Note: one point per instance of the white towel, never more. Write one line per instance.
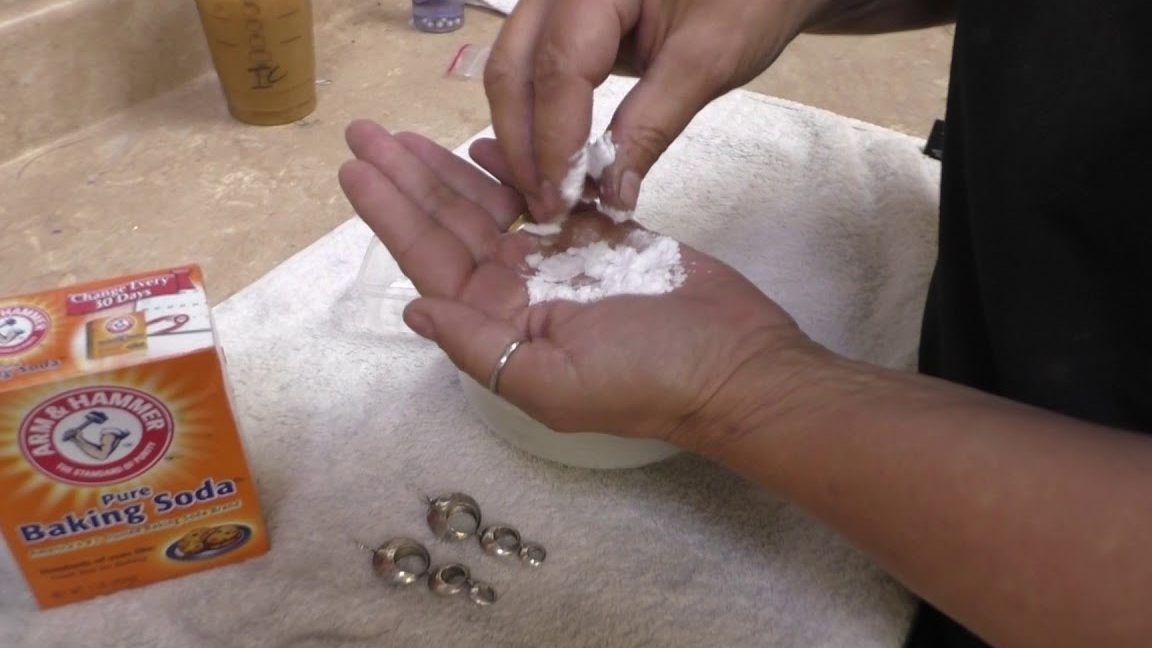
(502, 6)
(348, 427)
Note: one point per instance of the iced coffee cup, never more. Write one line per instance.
(264, 54)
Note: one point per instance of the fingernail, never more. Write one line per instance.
(535, 207)
(549, 202)
(629, 189)
(543, 197)
(422, 325)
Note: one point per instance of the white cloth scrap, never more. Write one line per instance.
(347, 427)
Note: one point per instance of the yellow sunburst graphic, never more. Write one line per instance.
(190, 399)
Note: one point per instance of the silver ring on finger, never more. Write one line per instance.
(494, 377)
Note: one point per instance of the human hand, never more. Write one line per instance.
(650, 366)
(551, 55)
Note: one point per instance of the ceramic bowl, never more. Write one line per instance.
(580, 449)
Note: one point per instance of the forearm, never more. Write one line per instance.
(878, 16)
(1029, 528)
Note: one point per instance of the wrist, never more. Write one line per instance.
(776, 394)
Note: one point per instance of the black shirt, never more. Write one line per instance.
(1043, 288)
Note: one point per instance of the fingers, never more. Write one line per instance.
(577, 50)
(474, 342)
(502, 203)
(423, 188)
(539, 80)
(435, 259)
(508, 85)
(676, 86)
(487, 153)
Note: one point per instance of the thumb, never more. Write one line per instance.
(659, 107)
(474, 342)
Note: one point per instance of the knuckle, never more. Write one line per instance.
(436, 200)
(552, 62)
(711, 71)
(389, 155)
(500, 71)
(710, 64)
(649, 141)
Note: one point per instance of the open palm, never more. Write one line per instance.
(627, 365)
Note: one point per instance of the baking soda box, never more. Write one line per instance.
(120, 460)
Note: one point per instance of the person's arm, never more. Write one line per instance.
(879, 16)
(1029, 528)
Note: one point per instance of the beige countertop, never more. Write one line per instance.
(175, 180)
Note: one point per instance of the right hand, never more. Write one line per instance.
(552, 54)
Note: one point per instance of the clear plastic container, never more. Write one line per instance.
(384, 291)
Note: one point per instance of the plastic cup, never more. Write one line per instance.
(264, 53)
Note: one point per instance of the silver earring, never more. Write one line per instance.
(532, 554)
(386, 561)
(444, 516)
(449, 580)
(481, 594)
(500, 540)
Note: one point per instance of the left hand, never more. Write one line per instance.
(650, 366)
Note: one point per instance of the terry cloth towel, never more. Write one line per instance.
(348, 427)
(502, 6)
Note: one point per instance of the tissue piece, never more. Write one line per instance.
(590, 162)
(601, 155)
(572, 187)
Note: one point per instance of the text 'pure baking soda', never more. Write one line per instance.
(120, 460)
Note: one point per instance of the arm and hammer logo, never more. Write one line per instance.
(96, 436)
(118, 325)
(21, 328)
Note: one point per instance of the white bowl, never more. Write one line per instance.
(579, 449)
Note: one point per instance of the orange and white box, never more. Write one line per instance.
(120, 460)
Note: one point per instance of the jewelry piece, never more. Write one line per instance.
(500, 540)
(443, 509)
(532, 554)
(449, 580)
(494, 377)
(386, 561)
(481, 594)
(519, 223)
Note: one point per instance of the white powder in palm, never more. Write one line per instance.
(645, 264)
